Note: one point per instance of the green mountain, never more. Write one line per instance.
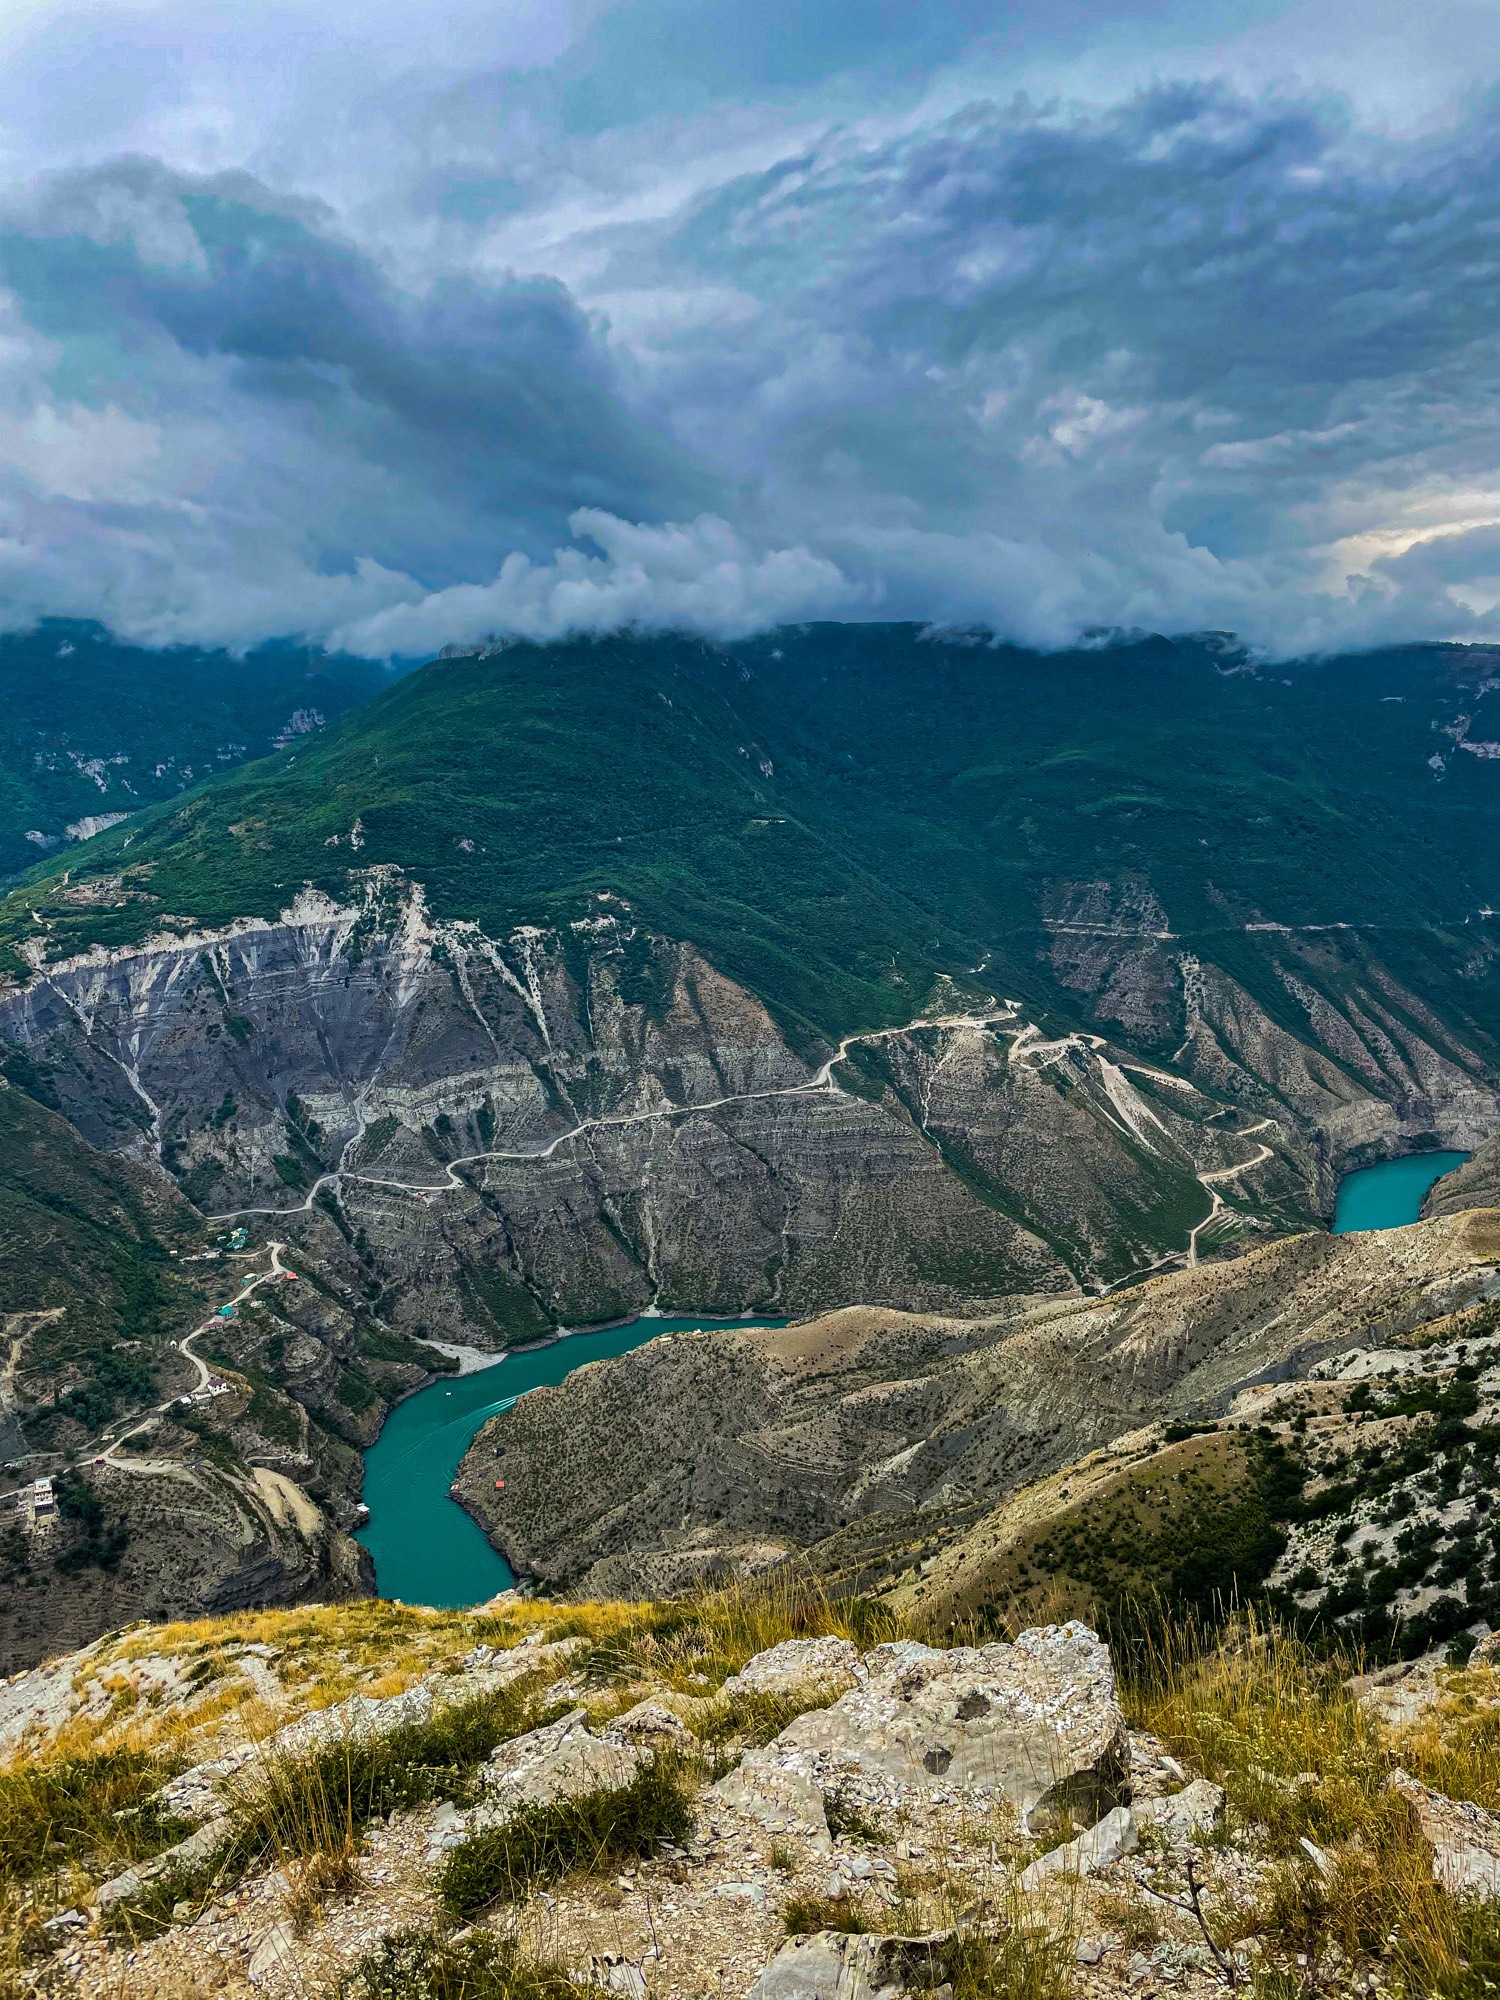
(91, 728)
(834, 814)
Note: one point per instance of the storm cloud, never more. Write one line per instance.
(656, 314)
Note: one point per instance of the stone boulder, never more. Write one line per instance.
(563, 1760)
(1037, 1722)
(830, 1965)
(1183, 1818)
(780, 1800)
(798, 1663)
(650, 1725)
(1100, 1847)
(1464, 1838)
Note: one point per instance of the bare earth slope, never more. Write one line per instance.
(727, 1448)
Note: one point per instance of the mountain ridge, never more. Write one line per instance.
(843, 967)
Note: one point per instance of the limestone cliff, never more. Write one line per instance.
(500, 1135)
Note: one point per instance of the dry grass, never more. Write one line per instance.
(319, 1880)
(693, 1645)
(1280, 1728)
(1250, 1706)
(1455, 1746)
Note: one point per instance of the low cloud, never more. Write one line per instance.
(697, 577)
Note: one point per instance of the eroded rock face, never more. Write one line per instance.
(889, 1443)
(798, 1663)
(1036, 1723)
(829, 1965)
(621, 1119)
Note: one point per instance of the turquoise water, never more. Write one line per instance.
(426, 1549)
(1384, 1197)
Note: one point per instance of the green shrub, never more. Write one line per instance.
(542, 1842)
(853, 1822)
(322, 1802)
(426, 1965)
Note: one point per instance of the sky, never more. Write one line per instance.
(387, 327)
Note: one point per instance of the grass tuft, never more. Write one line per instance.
(541, 1843)
(804, 1915)
(322, 1802)
(1282, 1729)
(97, 1810)
(694, 1644)
(1023, 1962)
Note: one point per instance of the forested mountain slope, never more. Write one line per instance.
(92, 729)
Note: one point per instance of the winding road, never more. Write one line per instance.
(185, 1348)
(1029, 1049)
(821, 1082)
(1208, 1179)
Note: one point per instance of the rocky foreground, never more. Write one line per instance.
(371, 1802)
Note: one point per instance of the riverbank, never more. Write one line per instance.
(425, 1547)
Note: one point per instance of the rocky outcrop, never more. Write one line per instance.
(1464, 1838)
(1036, 1723)
(1476, 1184)
(850, 1870)
(562, 1760)
(832, 1965)
(699, 1453)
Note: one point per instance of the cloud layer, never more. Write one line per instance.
(664, 313)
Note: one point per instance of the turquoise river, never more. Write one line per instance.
(1384, 1197)
(425, 1548)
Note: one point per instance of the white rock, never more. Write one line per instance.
(448, 1827)
(619, 1975)
(829, 1965)
(650, 1725)
(1100, 1847)
(195, 1850)
(1198, 1809)
(1037, 1722)
(276, 1953)
(797, 1663)
(1464, 1838)
(119, 1890)
(563, 1760)
(766, 1792)
(199, 1794)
